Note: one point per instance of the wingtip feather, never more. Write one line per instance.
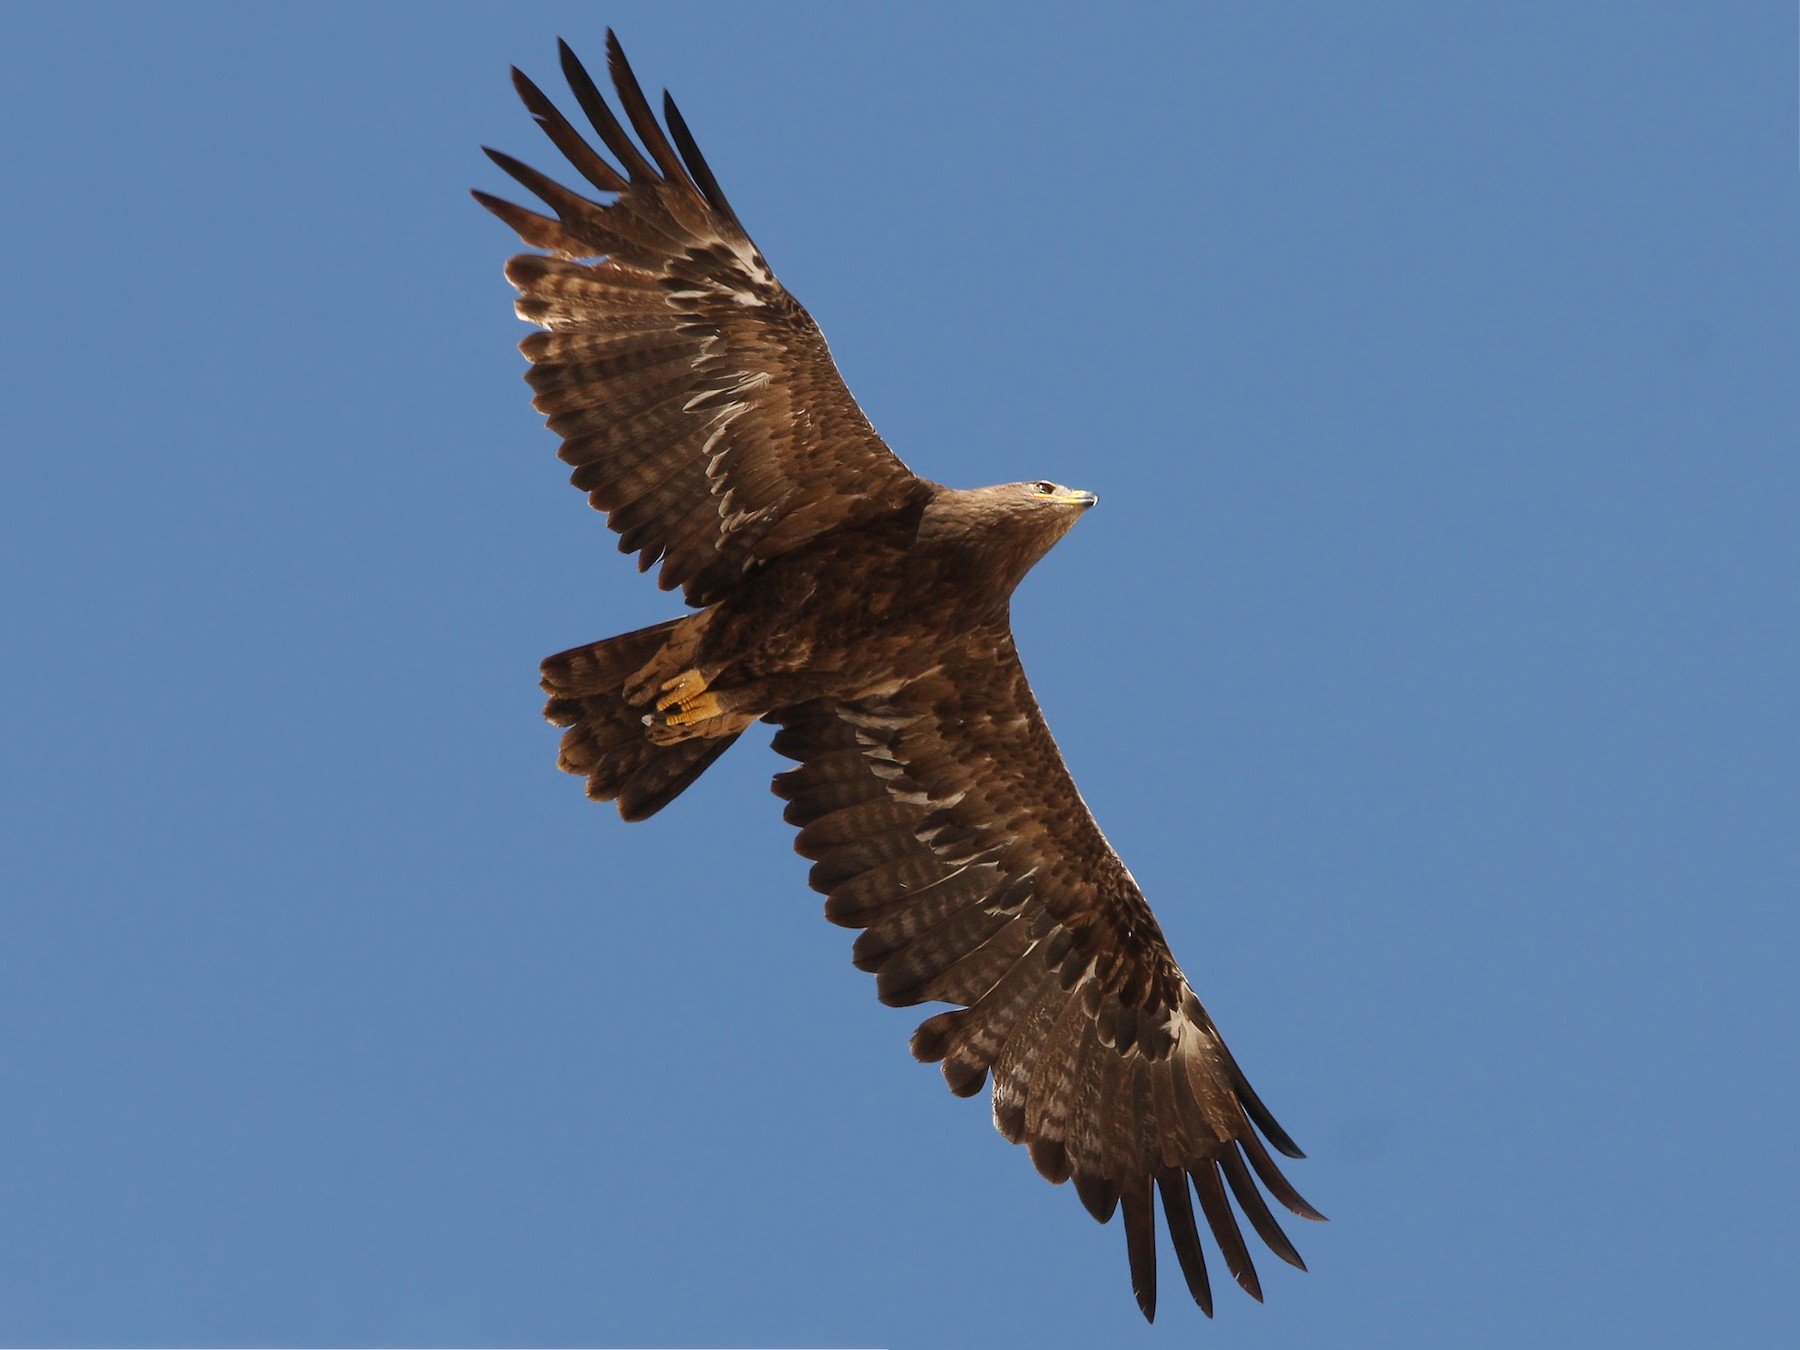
(1140, 1242)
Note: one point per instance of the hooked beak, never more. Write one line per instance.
(1081, 499)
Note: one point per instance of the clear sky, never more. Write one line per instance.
(1432, 658)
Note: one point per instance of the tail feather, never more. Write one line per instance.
(605, 741)
(602, 667)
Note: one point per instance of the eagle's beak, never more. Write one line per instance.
(1081, 499)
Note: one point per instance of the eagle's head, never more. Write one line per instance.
(1010, 525)
(1040, 509)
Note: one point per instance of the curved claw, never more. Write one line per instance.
(684, 690)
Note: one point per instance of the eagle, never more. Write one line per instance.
(864, 611)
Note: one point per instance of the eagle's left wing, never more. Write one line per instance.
(943, 823)
(695, 397)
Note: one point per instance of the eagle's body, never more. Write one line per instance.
(856, 614)
(864, 610)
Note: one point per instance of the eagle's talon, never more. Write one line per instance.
(685, 701)
(682, 692)
(693, 710)
(670, 723)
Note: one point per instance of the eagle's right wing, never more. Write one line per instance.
(944, 823)
(695, 397)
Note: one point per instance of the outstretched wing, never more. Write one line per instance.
(944, 824)
(695, 397)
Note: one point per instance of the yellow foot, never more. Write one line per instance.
(685, 700)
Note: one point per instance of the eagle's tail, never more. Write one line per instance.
(605, 740)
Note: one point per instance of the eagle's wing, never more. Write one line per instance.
(695, 397)
(943, 823)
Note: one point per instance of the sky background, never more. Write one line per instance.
(1432, 659)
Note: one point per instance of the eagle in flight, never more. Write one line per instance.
(863, 610)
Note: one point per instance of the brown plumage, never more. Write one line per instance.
(864, 610)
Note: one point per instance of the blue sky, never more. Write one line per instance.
(1431, 658)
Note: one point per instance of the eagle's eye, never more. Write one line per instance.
(1044, 489)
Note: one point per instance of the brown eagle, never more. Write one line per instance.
(864, 611)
